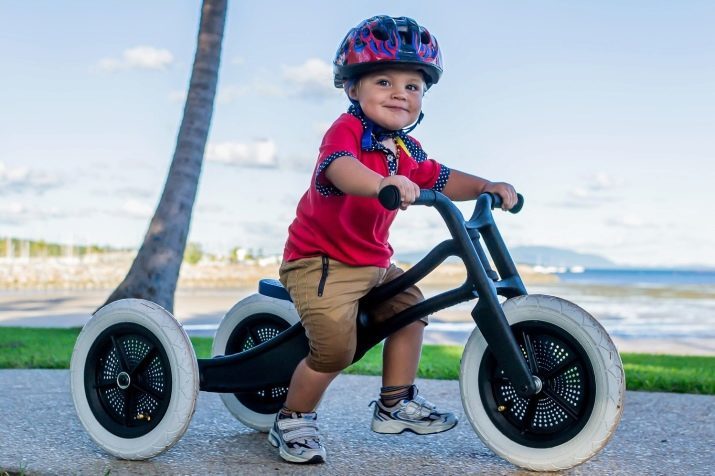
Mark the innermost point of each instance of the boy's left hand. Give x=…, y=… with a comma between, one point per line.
x=506, y=191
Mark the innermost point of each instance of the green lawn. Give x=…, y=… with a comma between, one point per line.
x=24, y=348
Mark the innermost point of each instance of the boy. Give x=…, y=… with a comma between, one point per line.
x=337, y=247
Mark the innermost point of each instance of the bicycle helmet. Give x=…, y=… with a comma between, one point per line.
x=383, y=40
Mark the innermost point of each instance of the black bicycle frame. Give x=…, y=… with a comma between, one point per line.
x=272, y=363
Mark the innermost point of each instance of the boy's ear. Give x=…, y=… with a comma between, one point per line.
x=351, y=90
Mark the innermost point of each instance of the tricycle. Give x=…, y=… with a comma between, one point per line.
x=541, y=382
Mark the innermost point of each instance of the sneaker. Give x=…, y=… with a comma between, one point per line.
x=297, y=438
x=416, y=415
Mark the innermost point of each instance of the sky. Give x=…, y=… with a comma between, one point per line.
x=600, y=113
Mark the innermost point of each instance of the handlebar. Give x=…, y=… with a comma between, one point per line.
x=389, y=198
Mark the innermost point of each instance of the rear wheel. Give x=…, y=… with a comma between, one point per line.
x=251, y=322
x=581, y=402
x=134, y=379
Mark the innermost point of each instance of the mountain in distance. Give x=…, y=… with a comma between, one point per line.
x=536, y=255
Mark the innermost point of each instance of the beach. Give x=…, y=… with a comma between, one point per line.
x=636, y=321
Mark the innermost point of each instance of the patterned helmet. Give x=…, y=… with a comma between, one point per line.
x=381, y=41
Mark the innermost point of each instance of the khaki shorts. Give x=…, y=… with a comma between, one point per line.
x=326, y=294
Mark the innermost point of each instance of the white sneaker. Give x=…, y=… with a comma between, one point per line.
x=297, y=438
x=416, y=415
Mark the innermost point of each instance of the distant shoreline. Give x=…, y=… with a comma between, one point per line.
x=98, y=274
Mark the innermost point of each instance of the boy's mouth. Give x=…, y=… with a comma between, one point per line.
x=397, y=108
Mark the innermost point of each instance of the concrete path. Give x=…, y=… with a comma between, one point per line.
x=660, y=434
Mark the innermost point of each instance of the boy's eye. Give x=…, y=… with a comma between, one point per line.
x=383, y=82
x=413, y=87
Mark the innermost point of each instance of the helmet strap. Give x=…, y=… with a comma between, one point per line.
x=373, y=131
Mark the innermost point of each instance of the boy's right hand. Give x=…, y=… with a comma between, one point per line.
x=409, y=191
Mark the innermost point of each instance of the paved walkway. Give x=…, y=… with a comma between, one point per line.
x=660, y=434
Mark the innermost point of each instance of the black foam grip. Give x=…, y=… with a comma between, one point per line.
x=389, y=197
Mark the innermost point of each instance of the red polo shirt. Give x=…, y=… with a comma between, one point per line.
x=351, y=229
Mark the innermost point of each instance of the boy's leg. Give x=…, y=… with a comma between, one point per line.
x=399, y=408
x=401, y=355
x=295, y=431
x=325, y=294
x=306, y=388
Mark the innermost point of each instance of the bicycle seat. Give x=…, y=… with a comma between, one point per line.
x=273, y=288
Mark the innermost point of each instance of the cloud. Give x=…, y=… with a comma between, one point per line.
x=602, y=181
x=230, y=93
x=136, y=209
x=321, y=128
x=15, y=213
x=177, y=96
x=139, y=57
x=129, y=191
x=260, y=153
x=596, y=190
x=23, y=179
x=312, y=80
x=630, y=221
x=12, y=212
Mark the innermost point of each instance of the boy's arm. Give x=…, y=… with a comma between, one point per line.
x=351, y=177
x=463, y=186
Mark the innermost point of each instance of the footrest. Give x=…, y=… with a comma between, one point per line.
x=273, y=288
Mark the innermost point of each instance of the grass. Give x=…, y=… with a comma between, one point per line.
x=25, y=348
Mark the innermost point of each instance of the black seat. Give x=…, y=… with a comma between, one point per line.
x=273, y=288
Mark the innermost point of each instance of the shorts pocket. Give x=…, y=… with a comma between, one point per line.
x=323, y=275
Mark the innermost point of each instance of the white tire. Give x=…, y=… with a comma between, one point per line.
x=269, y=316
x=589, y=383
x=153, y=346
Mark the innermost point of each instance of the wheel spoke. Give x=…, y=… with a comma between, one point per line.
x=123, y=363
x=146, y=360
x=528, y=422
x=563, y=404
x=128, y=406
x=559, y=369
x=530, y=353
x=103, y=385
x=148, y=390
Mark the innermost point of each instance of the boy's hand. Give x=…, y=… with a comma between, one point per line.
x=506, y=191
x=409, y=191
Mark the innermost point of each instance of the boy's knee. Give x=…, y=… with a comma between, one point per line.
x=329, y=362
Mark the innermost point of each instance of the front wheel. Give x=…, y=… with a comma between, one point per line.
x=581, y=403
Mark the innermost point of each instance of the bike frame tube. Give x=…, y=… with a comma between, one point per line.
x=220, y=374
x=256, y=369
x=488, y=313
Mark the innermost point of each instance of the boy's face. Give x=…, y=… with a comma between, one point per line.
x=392, y=98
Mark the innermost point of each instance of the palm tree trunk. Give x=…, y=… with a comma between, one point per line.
x=155, y=270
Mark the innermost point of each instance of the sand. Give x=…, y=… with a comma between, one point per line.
x=205, y=307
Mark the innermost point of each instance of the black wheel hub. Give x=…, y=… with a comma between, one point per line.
x=250, y=332
x=127, y=380
x=564, y=405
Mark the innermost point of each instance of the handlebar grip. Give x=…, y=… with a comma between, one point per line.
x=496, y=202
x=389, y=197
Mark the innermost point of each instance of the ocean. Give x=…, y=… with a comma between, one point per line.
x=639, y=277
x=639, y=303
